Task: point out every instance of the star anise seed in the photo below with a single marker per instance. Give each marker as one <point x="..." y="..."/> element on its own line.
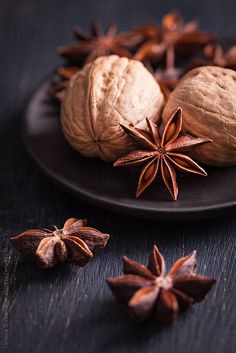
<point x="151" y="292"/>
<point x="75" y="242"/>
<point x="164" y="152"/>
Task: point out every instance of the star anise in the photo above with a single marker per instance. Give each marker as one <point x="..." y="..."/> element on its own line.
<point x="165" y="153"/>
<point x="75" y="242"/>
<point x="215" y="55"/>
<point x="225" y="59"/>
<point x="59" y="84"/>
<point x="151" y="292"/>
<point x="67" y="72"/>
<point x="97" y="43"/>
<point x="171" y="37"/>
<point x="168" y="79"/>
<point x="90" y="46"/>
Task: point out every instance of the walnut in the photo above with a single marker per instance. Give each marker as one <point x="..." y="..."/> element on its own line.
<point x="109" y="91"/>
<point x="207" y="96"/>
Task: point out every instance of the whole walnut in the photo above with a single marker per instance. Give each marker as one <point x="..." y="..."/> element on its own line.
<point x="109" y="91"/>
<point x="207" y="96"/>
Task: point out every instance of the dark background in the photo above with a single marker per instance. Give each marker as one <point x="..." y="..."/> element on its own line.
<point x="67" y="309"/>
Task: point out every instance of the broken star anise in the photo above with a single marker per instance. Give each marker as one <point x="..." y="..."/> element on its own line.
<point x="97" y="43"/>
<point x="75" y="242"/>
<point x="165" y="153"/>
<point x="151" y="292"/>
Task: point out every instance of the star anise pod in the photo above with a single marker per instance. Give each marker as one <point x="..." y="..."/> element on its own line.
<point x="215" y="55"/>
<point x="168" y="79"/>
<point x="59" y="84"/>
<point x="75" y="242"/>
<point x="220" y="58"/>
<point x="164" y="152"/>
<point x="97" y="43"/>
<point x="66" y="72"/>
<point x="57" y="89"/>
<point x="150" y="31"/>
<point x="151" y="292"/>
<point x="171" y="37"/>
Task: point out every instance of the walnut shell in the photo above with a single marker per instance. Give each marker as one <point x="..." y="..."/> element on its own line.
<point x="207" y="96"/>
<point x="109" y="91"/>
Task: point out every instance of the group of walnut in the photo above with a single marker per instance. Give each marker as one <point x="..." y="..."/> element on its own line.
<point x="149" y="292"/>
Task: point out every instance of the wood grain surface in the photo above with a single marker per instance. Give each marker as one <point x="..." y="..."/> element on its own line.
<point x="67" y="309"/>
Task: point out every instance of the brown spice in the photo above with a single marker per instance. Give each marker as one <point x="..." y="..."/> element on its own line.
<point x="165" y="42"/>
<point x="216" y="56"/>
<point x="171" y="37"/>
<point x="90" y="46"/>
<point x="165" y="153"/>
<point x="97" y="43"/>
<point x="168" y="79"/>
<point x="75" y="242"/>
<point x="58" y="86"/>
<point x="151" y="292"/>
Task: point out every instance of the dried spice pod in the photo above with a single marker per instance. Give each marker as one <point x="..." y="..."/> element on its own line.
<point x="170" y="43"/>
<point x="96" y="43"/>
<point x="75" y="242"/>
<point x="215" y="55"/>
<point x="109" y="91"/>
<point x="173" y="36"/>
<point x="60" y="81"/>
<point x="152" y="292"/>
<point x="88" y="47"/>
<point x="208" y="99"/>
<point x="168" y="79"/>
<point x="162" y="153"/>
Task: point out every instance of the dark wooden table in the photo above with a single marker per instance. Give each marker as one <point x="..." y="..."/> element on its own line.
<point x="67" y="309"/>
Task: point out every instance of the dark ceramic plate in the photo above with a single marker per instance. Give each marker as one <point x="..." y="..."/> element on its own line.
<point x="114" y="188"/>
